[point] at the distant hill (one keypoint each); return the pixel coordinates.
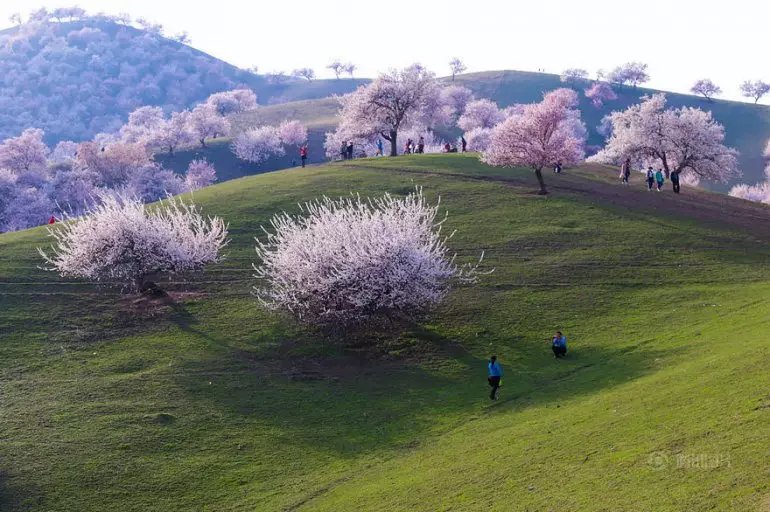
(75, 79)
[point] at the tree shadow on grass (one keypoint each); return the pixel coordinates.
(344, 403)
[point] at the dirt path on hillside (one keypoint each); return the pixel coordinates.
(696, 204)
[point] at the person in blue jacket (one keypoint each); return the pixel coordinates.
(559, 345)
(495, 374)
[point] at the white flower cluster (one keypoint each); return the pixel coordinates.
(348, 261)
(120, 240)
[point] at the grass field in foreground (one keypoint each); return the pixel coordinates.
(211, 404)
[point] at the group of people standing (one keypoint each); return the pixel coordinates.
(410, 147)
(346, 150)
(654, 178)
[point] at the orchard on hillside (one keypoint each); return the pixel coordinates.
(683, 139)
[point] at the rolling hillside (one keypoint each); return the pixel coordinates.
(208, 403)
(747, 125)
(74, 79)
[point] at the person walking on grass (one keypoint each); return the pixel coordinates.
(650, 179)
(350, 150)
(303, 154)
(464, 143)
(559, 345)
(495, 374)
(625, 171)
(379, 148)
(675, 181)
(421, 145)
(344, 150)
(659, 179)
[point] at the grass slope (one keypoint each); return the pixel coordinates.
(211, 404)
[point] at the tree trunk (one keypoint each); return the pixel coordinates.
(539, 174)
(393, 143)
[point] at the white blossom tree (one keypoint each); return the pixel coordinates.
(233, 102)
(350, 261)
(481, 113)
(391, 102)
(542, 134)
(292, 133)
(455, 98)
(172, 133)
(200, 173)
(26, 152)
(120, 241)
(478, 139)
(257, 144)
(684, 139)
(64, 151)
(206, 123)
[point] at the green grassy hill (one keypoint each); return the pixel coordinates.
(207, 403)
(747, 125)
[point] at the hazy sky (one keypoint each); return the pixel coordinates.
(681, 40)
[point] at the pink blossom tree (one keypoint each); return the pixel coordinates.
(391, 102)
(599, 93)
(292, 133)
(24, 153)
(543, 134)
(755, 90)
(114, 164)
(481, 113)
(633, 73)
(205, 122)
(233, 102)
(120, 241)
(257, 144)
(706, 88)
(675, 139)
(200, 173)
(352, 261)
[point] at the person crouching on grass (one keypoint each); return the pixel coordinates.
(559, 345)
(495, 374)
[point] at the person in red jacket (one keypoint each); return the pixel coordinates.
(303, 154)
(52, 220)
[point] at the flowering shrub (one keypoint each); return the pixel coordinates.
(349, 261)
(121, 241)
